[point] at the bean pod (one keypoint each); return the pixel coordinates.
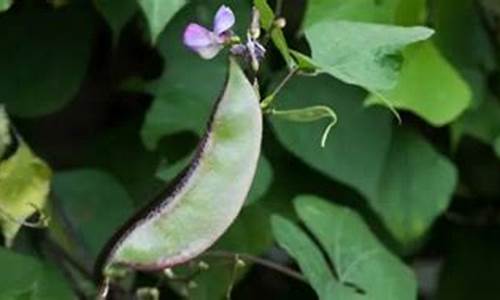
(203, 201)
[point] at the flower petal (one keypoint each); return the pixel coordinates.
(198, 36)
(224, 20)
(210, 51)
(202, 41)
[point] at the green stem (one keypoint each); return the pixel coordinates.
(259, 261)
(61, 253)
(269, 99)
(279, 8)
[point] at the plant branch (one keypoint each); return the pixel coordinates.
(59, 252)
(269, 99)
(259, 261)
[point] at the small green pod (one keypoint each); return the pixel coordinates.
(203, 201)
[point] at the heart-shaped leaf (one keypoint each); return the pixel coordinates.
(363, 54)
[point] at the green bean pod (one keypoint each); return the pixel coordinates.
(201, 203)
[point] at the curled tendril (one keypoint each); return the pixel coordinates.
(309, 114)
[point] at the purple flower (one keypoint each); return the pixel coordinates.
(208, 43)
(253, 52)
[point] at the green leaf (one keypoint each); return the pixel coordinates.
(177, 105)
(23, 276)
(167, 171)
(310, 259)
(352, 10)
(5, 5)
(471, 266)
(158, 13)
(19, 274)
(35, 83)
(362, 54)
(117, 13)
(428, 86)
(464, 39)
(481, 122)
(266, 14)
(397, 167)
(410, 12)
(24, 187)
(461, 34)
(358, 257)
(120, 152)
(345, 157)
(261, 182)
(416, 186)
(94, 204)
(496, 145)
(267, 19)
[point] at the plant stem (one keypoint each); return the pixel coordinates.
(279, 8)
(259, 261)
(269, 99)
(61, 253)
(61, 258)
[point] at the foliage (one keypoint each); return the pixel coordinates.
(378, 173)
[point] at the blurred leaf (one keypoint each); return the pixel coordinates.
(362, 54)
(19, 274)
(496, 146)
(167, 171)
(352, 10)
(261, 182)
(94, 205)
(397, 167)
(410, 12)
(58, 3)
(178, 106)
(158, 13)
(52, 285)
(5, 138)
(309, 257)
(416, 186)
(117, 13)
(112, 147)
(5, 5)
(266, 14)
(41, 69)
(24, 277)
(472, 268)
(359, 259)
(24, 186)
(482, 122)
(428, 86)
(461, 34)
(464, 40)
(267, 22)
(492, 5)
